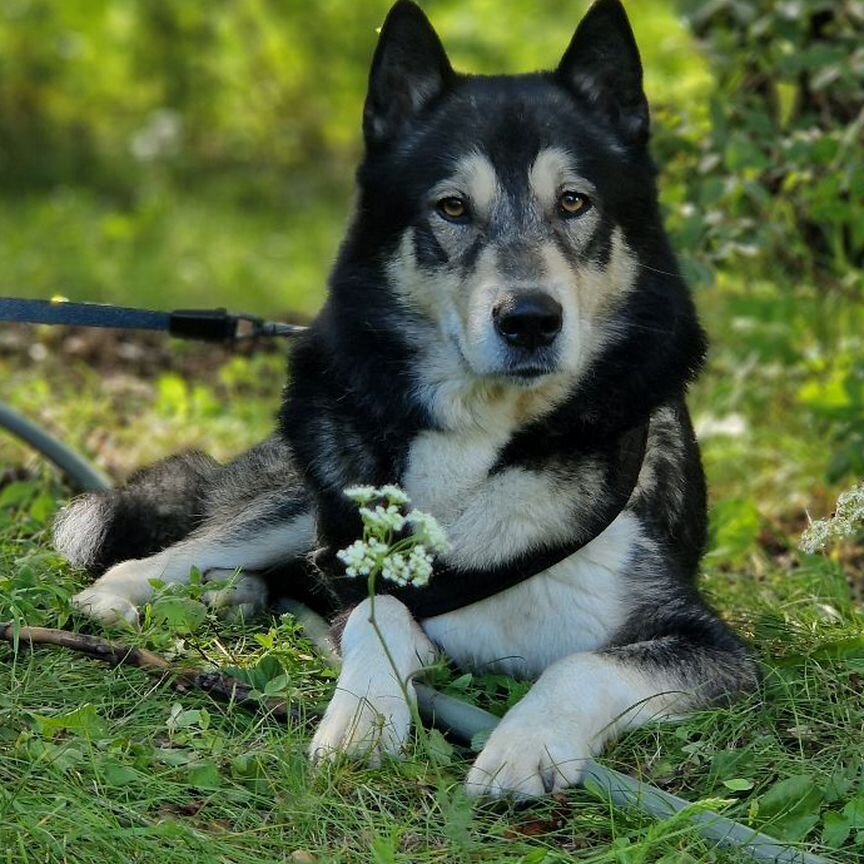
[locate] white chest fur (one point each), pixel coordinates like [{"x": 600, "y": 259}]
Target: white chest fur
[
  {"x": 445, "y": 468},
  {"x": 577, "y": 605}
]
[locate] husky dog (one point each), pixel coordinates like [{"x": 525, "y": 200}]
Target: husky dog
[{"x": 508, "y": 338}]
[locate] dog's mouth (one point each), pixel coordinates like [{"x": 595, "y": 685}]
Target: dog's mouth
[
  {"x": 527, "y": 376},
  {"x": 529, "y": 372}
]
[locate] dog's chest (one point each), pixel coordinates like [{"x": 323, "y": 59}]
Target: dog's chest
[
  {"x": 443, "y": 469},
  {"x": 577, "y": 605}
]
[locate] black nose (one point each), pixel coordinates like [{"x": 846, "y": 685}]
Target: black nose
[{"x": 530, "y": 320}]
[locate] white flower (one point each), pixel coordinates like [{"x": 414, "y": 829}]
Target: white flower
[
  {"x": 411, "y": 568},
  {"x": 394, "y": 495},
  {"x": 428, "y": 531},
  {"x": 362, "y": 557},
  {"x": 362, "y": 494},
  {"x": 847, "y": 519},
  {"x": 420, "y": 564},
  {"x": 382, "y": 518}
]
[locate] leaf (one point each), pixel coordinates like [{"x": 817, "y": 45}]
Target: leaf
[
  {"x": 18, "y": 493},
  {"x": 791, "y": 806},
  {"x": 738, "y": 784},
  {"x": 836, "y": 829},
  {"x": 182, "y": 614},
  {"x": 438, "y": 748},
  {"x": 463, "y": 682},
  {"x": 83, "y": 721},
  {"x": 120, "y": 775},
  {"x": 838, "y": 826},
  {"x": 277, "y": 686},
  {"x": 204, "y": 775},
  {"x": 181, "y": 718}
]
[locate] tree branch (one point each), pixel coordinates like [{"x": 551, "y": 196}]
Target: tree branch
[{"x": 222, "y": 687}]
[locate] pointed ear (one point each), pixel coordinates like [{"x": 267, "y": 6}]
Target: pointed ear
[
  {"x": 409, "y": 70},
  {"x": 602, "y": 66}
]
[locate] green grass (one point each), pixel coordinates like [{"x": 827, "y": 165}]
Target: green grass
[
  {"x": 100, "y": 765},
  {"x": 107, "y": 765}
]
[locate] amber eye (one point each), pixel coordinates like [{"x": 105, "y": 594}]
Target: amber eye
[
  {"x": 453, "y": 208},
  {"x": 573, "y": 204}
]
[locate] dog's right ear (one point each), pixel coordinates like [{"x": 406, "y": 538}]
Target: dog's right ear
[{"x": 410, "y": 69}]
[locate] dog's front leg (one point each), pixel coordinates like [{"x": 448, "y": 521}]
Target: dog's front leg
[
  {"x": 368, "y": 715},
  {"x": 586, "y": 699}
]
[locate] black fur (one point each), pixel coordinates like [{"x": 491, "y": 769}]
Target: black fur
[{"x": 353, "y": 407}]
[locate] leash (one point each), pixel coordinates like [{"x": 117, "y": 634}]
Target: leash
[{"x": 207, "y": 325}]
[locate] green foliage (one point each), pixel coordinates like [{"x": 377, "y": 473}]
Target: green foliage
[
  {"x": 777, "y": 183},
  {"x": 183, "y": 154}
]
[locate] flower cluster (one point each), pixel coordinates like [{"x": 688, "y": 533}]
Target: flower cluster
[
  {"x": 401, "y": 560},
  {"x": 847, "y": 519},
  {"x": 411, "y": 568},
  {"x": 362, "y": 557},
  {"x": 427, "y": 531}
]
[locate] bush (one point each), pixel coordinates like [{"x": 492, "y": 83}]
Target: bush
[{"x": 779, "y": 177}]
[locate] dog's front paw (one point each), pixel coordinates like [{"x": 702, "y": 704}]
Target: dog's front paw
[
  {"x": 116, "y": 595},
  {"x": 240, "y": 595},
  {"x": 530, "y": 753},
  {"x": 365, "y": 727},
  {"x": 105, "y": 606}
]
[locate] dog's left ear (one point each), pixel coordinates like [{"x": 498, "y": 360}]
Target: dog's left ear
[
  {"x": 602, "y": 66},
  {"x": 409, "y": 70}
]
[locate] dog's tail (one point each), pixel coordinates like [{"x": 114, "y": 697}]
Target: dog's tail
[{"x": 158, "y": 506}]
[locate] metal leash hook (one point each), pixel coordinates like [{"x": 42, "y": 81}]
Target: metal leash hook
[{"x": 207, "y": 325}]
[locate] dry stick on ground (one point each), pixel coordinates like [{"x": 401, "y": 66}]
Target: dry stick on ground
[{"x": 220, "y": 686}]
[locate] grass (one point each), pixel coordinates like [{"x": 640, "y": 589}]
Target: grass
[
  {"x": 111, "y": 765},
  {"x": 100, "y": 765}
]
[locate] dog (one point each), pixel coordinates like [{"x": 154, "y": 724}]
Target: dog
[{"x": 508, "y": 338}]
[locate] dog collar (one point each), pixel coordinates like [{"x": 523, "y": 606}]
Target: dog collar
[{"x": 453, "y": 588}]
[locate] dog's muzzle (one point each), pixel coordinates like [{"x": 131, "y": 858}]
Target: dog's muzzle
[{"x": 529, "y": 321}]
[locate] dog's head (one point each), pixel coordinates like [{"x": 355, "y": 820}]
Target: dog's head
[{"x": 514, "y": 219}]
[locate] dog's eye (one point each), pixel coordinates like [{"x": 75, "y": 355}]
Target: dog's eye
[
  {"x": 572, "y": 204},
  {"x": 453, "y": 208}
]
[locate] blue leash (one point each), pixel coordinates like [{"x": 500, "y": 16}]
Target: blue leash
[{"x": 209, "y": 325}]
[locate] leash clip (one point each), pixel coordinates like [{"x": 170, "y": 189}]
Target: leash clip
[{"x": 217, "y": 325}]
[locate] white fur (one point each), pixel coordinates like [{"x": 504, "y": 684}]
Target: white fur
[
  {"x": 577, "y": 605},
  {"x": 368, "y": 715},
  {"x": 577, "y": 705},
  {"x": 489, "y": 519},
  {"x": 80, "y": 529},
  {"x": 116, "y": 595}
]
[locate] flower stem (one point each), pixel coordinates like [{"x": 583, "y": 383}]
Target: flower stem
[{"x": 403, "y": 685}]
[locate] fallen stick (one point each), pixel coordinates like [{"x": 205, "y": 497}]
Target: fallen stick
[{"x": 222, "y": 687}]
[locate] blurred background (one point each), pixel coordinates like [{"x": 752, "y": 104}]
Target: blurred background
[{"x": 181, "y": 154}]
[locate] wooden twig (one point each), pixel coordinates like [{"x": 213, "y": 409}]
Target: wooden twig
[{"x": 222, "y": 687}]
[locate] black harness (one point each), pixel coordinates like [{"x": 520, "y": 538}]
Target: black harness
[{"x": 452, "y": 588}]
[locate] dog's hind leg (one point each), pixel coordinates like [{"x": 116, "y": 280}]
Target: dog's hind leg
[{"x": 273, "y": 528}]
